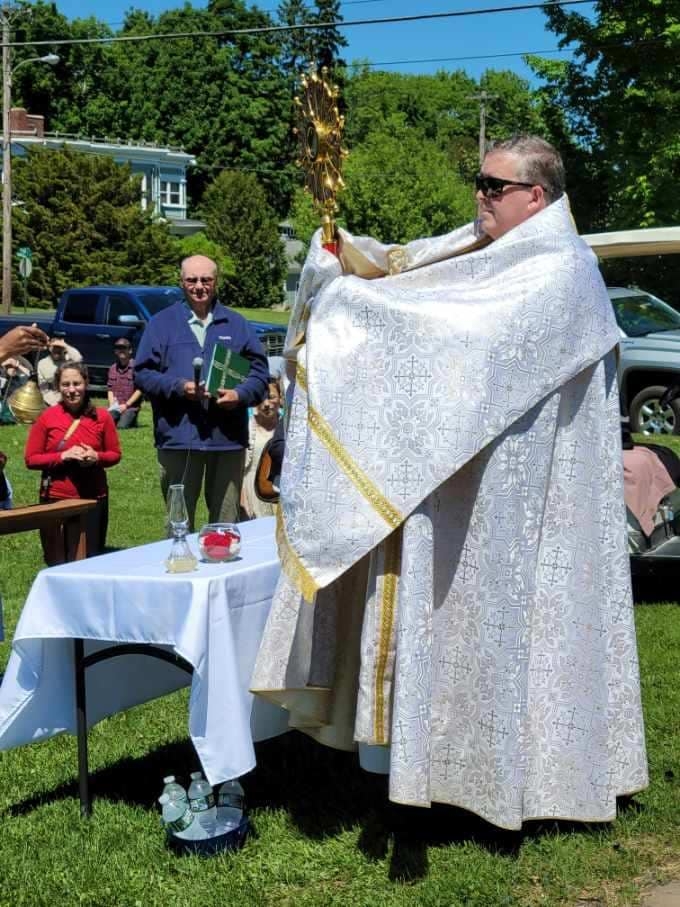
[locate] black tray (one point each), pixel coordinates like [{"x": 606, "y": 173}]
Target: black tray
[{"x": 232, "y": 839}]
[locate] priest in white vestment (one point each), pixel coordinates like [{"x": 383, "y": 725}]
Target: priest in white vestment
[{"x": 455, "y": 587}]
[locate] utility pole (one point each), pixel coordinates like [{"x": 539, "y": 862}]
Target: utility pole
[
  {"x": 7, "y": 14},
  {"x": 482, "y": 97},
  {"x": 5, "y": 18}
]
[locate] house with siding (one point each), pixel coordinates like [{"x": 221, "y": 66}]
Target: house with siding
[{"x": 163, "y": 170}]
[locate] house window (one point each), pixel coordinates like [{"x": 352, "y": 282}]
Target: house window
[{"x": 170, "y": 193}]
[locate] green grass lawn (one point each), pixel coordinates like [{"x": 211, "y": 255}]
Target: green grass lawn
[{"x": 323, "y": 834}]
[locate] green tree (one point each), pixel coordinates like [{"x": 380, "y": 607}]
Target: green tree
[
  {"x": 81, "y": 215},
  {"x": 306, "y": 219},
  {"x": 438, "y": 106},
  {"x": 328, "y": 39},
  {"x": 622, "y": 95},
  {"x": 297, "y": 47},
  {"x": 401, "y": 186},
  {"x": 199, "y": 244},
  {"x": 81, "y": 94},
  {"x": 443, "y": 108},
  {"x": 224, "y": 99},
  {"x": 239, "y": 219}
]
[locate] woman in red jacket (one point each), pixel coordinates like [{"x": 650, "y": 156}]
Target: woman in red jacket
[{"x": 73, "y": 443}]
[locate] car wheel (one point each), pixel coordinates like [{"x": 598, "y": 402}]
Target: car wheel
[{"x": 648, "y": 417}]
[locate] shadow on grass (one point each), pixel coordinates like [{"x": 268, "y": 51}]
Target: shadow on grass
[
  {"x": 653, "y": 590},
  {"x": 324, "y": 792}
]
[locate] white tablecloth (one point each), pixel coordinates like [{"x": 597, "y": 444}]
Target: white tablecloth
[{"x": 213, "y": 618}]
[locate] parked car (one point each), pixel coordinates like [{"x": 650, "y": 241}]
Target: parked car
[
  {"x": 92, "y": 318},
  {"x": 649, "y": 361}
]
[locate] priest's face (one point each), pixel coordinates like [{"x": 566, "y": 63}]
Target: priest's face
[{"x": 509, "y": 202}]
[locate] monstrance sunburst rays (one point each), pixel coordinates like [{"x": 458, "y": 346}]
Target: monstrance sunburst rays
[{"x": 319, "y": 129}]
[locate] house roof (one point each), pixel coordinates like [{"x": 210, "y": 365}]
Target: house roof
[{"x": 137, "y": 151}]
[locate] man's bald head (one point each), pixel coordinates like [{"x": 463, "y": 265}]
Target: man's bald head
[
  {"x": 195, "y": 263},
  {"x": 199, "y": 282}
]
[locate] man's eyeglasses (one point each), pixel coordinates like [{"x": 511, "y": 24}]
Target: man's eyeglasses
[
  {"x": 192, "y": 281},
  {"x": 493, "y": 186}
]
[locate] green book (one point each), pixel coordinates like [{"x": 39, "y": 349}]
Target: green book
[{"x": 227, "y": 369}]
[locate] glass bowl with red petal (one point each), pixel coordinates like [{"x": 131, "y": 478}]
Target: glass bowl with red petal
[{"x": 219, "y": 542}]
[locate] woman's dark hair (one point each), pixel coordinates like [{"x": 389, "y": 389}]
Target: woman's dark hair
[{"x": 80, "y": 367}]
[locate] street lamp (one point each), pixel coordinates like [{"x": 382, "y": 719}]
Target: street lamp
[{"x": 7, "y": 73}]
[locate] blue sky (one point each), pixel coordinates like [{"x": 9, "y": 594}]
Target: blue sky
[{"x": 474, "y": 36}]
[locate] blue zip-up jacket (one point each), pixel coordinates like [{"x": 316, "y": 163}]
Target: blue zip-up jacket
[{"x": 164, "y": 361}]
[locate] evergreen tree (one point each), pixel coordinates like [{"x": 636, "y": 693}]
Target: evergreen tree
[
  {"x": 329, "y": 40},
  {"x": 239, "y": 219},
  {"x": 82, "y": 217},
  {"x": 297, "y": 47}
]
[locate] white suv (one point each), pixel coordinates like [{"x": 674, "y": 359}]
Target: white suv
[{"x": 649, "y": 361}]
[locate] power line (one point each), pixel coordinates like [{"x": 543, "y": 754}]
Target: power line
[
  {"x": 360, "y": 64},
  {"x": 278, "y": 29}
]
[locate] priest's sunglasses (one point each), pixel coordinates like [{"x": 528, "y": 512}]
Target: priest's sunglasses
[{"x": 493, "y": 186}]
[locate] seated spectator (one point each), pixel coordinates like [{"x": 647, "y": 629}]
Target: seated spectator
[
  {"x": 58, "y": 352},
  {"x": 124, "y": 398},
  {"x": 261, "y": 428},
  {"x": 73, "y": 442}
]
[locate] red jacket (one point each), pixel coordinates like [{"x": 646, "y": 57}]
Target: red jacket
[{"x": 45, "y": 445}]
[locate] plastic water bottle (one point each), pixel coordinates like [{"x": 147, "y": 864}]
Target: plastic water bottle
[
  {"x": 174, "y": 790},
  {"x": 179, "y": 820},
  {"x": 231, "y": 803},
  {"x": 202, "y": 803}
]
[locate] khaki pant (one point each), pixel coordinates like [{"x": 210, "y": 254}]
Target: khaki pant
[{"x": 219, "y": 472}]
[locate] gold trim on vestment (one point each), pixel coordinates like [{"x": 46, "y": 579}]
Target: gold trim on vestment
[
  {"x": 291, "y": 564},
  {"x": 388, "y": 607},
  {"x": 301, "y": 376}
]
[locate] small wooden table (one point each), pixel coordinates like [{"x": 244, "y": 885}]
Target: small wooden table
[{"x": 69, "y": 514}]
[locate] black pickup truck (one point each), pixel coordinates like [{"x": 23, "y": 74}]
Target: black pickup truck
[{"x": 92, "y": 318}]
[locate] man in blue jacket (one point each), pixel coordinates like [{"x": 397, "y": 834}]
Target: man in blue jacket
[{"x": 199, "y": 440}]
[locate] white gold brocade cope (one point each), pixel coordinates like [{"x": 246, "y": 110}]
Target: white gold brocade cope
[{"x": 452, "y": 530}]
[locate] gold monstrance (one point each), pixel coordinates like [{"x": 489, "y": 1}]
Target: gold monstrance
[{"x": 319, "y": 131}]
